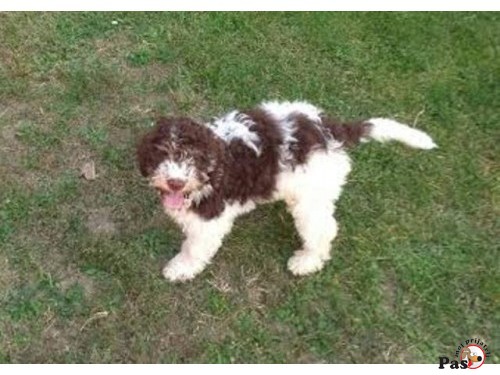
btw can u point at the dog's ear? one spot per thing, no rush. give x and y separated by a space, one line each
145 154
149 154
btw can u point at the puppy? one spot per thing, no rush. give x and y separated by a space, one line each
206 175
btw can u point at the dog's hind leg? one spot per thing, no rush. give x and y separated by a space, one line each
317 228
312 206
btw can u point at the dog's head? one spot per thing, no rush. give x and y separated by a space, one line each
183 161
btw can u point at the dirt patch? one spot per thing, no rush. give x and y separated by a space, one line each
308 357
8 277
21 154
181 344
221 279
56 338
72 276
117 49
99 222
153 75
255 292
9 135
113 48
10 146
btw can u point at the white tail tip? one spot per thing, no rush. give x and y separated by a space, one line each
384 130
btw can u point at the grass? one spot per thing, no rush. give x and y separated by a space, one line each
416 266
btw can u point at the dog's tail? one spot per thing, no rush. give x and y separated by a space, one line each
385 130
378 129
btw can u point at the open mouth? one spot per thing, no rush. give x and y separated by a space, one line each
173 200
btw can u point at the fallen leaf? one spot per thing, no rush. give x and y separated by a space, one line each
88 171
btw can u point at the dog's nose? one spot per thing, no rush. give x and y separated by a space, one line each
175 184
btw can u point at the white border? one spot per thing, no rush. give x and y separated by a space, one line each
242 5
248 5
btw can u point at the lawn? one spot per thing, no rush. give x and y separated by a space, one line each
416 265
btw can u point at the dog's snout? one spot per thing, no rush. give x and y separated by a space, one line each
175 184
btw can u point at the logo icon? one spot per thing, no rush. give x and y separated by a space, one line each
474 355
470 354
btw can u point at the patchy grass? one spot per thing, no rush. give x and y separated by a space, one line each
415 267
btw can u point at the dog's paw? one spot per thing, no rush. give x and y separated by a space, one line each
303 263
182 268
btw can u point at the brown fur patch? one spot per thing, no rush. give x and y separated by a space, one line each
309 136
350 133
247 175
251 175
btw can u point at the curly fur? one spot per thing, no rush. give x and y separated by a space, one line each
278 150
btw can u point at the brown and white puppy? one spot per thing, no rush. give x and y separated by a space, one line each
208 174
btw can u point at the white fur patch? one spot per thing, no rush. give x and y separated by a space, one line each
236 125
304 262
281 110
385 130
287 128
182 170
198 195
310 192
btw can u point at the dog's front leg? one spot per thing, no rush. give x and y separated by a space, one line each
203 239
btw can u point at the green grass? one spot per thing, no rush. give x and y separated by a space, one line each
416 265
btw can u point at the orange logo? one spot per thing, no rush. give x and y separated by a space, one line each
474 355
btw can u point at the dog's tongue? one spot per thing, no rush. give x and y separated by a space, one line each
173 201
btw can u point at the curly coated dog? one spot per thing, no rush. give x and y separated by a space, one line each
209 174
